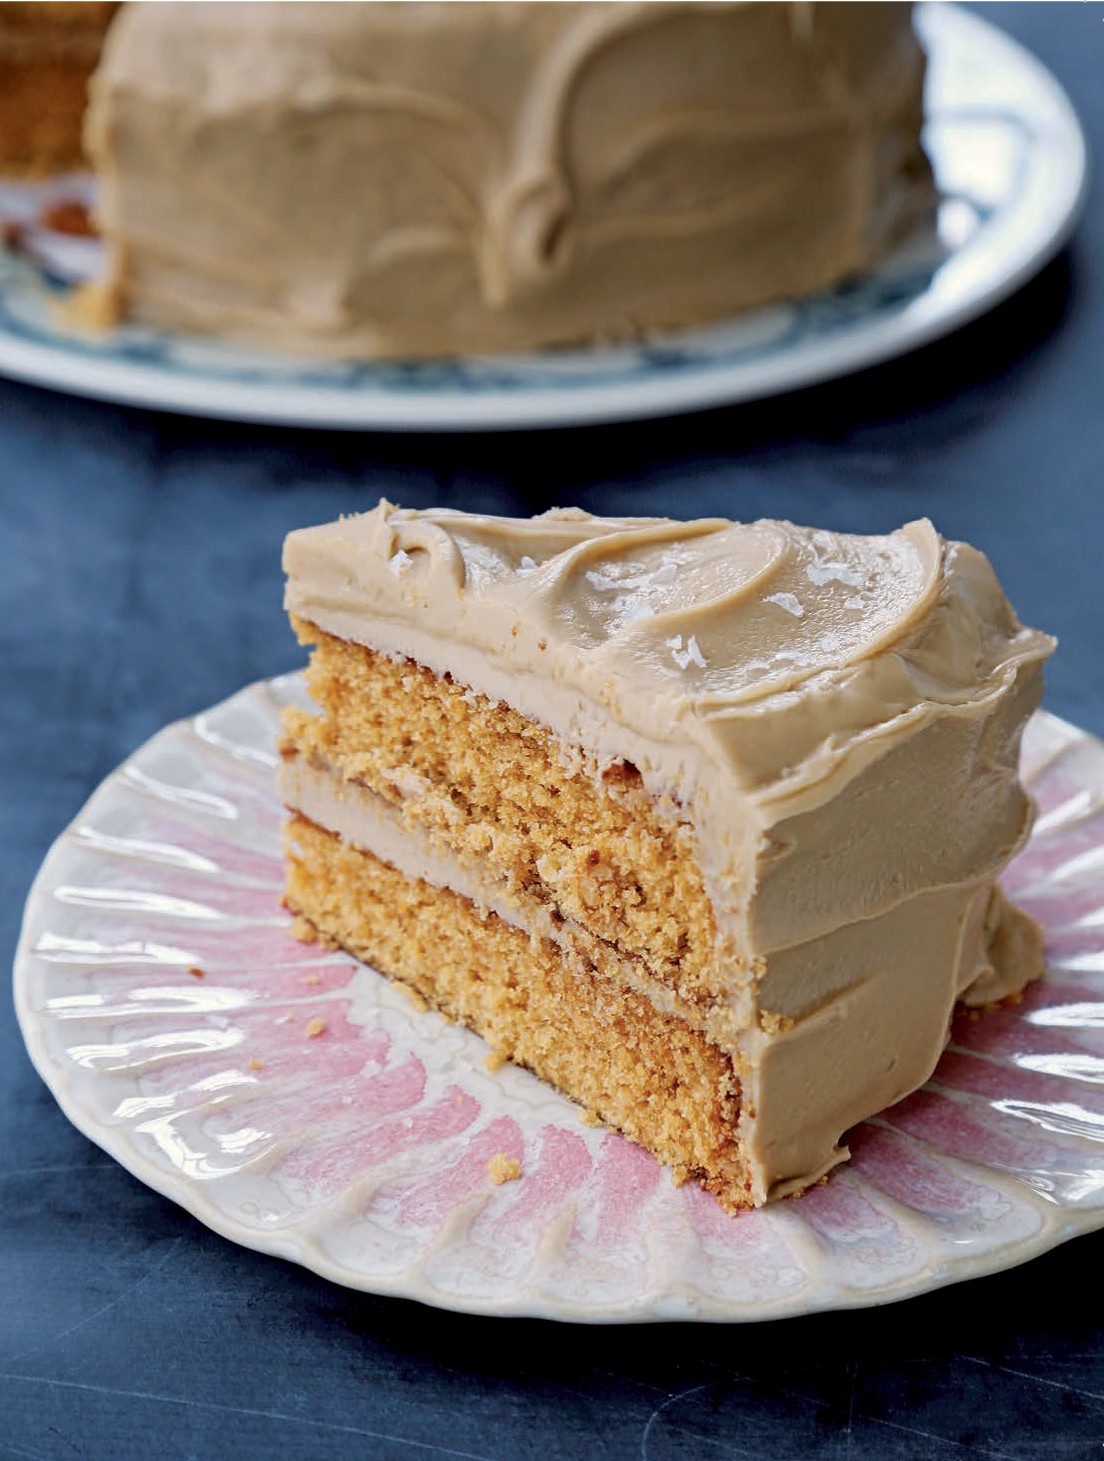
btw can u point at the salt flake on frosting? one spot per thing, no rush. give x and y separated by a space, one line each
601 581
630 608
691 655
613 577
667 570
789 602
527 565
821 573
399 562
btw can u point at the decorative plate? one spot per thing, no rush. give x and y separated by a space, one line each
1009 159
298 1103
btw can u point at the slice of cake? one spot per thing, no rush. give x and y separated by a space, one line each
699 821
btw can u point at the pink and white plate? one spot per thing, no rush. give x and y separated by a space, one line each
167 1006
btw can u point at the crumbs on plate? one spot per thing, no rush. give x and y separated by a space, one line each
502 1168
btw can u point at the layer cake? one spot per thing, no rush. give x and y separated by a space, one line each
699 821
375 180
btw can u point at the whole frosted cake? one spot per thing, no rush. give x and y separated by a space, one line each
699 821
358 180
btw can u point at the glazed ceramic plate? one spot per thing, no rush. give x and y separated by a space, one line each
1009 158
170 1010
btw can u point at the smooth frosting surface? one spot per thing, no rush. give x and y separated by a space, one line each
841 716
425 179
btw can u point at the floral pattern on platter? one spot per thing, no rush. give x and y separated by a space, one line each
1009 160
300 1104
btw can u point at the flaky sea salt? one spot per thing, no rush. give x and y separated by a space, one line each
630 607
789 602
821 573
691 655
527 564
604 582
638 590
399 562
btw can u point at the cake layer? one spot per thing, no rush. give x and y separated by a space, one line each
436 179
644 1072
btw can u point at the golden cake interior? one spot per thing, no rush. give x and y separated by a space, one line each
482 781
611 869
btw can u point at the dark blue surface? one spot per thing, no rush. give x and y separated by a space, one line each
139 582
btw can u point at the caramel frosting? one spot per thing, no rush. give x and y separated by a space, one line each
838 716
429 179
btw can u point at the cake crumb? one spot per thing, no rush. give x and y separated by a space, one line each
93 308
773 1023
591 1118
503 1169
801 1191
495 1060
312 979
69 216
315 1028
195 971
256 1065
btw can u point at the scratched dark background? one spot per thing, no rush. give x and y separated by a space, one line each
139 582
